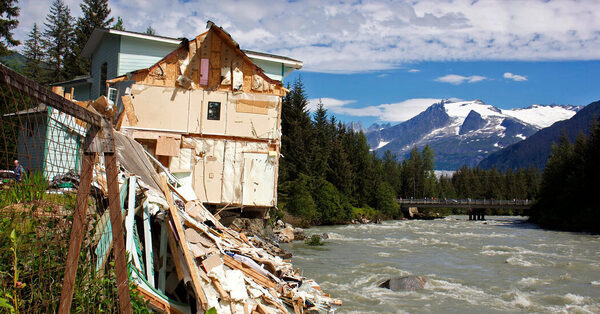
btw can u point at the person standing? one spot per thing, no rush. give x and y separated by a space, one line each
19 171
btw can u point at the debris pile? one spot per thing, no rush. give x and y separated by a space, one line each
183 259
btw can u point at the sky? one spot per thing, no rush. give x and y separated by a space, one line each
386 61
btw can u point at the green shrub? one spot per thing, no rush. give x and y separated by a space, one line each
314 240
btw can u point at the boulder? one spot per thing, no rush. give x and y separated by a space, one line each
324 236
285 235
299 234
406 283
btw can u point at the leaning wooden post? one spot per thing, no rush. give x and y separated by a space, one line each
79 222
116 222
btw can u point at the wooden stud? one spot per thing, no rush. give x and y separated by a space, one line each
118 233
193 268
76 237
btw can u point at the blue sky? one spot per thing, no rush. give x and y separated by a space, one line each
358 54
559 82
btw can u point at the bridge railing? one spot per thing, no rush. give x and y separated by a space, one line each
463 202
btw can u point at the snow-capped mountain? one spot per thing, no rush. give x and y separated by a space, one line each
465 132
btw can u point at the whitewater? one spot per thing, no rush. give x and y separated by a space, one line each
501 265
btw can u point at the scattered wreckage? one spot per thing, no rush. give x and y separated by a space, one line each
183 260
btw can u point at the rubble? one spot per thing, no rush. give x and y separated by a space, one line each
183 259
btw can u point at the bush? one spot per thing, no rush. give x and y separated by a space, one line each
333 208
314 240
386 201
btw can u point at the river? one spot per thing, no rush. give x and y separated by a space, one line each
503 264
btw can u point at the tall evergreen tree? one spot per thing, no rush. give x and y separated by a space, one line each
150 31
95 14
9 11
119 25
58 38
34 52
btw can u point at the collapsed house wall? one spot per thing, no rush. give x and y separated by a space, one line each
211 116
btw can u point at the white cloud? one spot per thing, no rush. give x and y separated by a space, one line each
515 77
358 36
414 70
395 112
459 79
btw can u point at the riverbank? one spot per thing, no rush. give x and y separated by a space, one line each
503 264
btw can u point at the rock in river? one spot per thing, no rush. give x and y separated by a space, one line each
404 283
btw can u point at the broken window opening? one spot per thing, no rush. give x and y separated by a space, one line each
214 110
103 78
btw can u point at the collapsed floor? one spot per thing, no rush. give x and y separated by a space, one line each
183 260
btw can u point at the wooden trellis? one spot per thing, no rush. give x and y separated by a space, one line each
98 140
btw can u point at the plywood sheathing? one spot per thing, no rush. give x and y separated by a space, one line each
211 54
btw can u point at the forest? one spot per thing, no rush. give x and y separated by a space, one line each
329 175
567 198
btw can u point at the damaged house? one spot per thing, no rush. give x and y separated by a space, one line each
206 110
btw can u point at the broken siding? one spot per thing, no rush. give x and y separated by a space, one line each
136 53
274 70
234 172
64 139
107 52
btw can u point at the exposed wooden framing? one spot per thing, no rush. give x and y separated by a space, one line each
46 96
189 259
118 232
81 201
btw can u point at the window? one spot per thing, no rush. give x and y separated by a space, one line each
214 110
103 78
112 95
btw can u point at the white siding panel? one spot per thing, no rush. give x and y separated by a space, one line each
135 53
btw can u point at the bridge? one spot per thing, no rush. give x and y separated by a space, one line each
475 208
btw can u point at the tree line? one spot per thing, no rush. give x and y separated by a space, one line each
567 199
53 48
329 175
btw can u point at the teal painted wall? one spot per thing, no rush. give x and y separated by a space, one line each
107 51
135 53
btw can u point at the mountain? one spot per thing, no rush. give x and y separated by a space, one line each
535 150
356 126
15 60
465 132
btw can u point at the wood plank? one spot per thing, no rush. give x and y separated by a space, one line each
118 233
186 252
129 110
76 237
248 271
168 146
162 271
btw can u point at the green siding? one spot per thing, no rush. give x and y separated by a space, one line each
135 53
107 51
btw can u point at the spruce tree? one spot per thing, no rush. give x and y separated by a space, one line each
9 11
150 31
58 38
119 24
96 14
34 52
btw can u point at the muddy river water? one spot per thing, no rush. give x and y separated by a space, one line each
501 265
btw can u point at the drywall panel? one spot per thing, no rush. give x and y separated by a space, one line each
214 122
161 108
195 111
208 169
232 173
259 180
253 116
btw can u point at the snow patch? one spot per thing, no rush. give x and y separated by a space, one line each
381 144
521 136
541 116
